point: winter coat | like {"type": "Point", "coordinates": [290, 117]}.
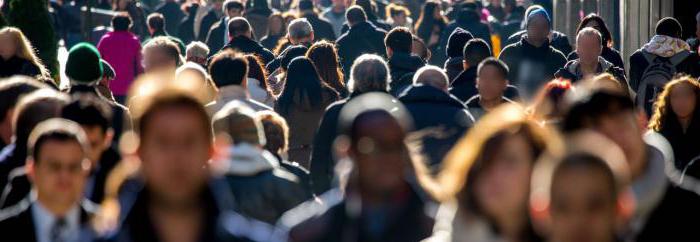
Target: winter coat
{"type": "Point", "coordinates": [474, 26]}
{"type": "Point", "coordinates": [18, 66]}
{"type": "Point", "coordinates": [335, 19]}
{"type": "Point", "coordinates": [217, 36]}
{"type": "Point", "coordinates": [249, 46]}
{"type": "Point", "coordinates": [558, 40]}
{"type": "Point", "coordinates": [610, 54]}
{"type": "Point", "coordinates": [531, 67]}
{"type": "Point", "coordinates": [172, 13]}
{"type": "Point", "coordinates": [402, 67]}
{"type": "Point", "coordinates": [258, 20]}
{"type": "Point", "coordinates": [464, 86]}
{"type": "Point", "coordinates": [572, 71]}
{"type": "Point", "coordinates": [683, 142]}
{"type": "Point", "coordinates": [440, 118]}
{"type": "Point", "coordinates": [323, 30]}
{"type": "Point", "coordinates": [362, 38]}
{"type": "Point", "coordinates": [322, 161]}
{"type": "Point", "coordinates": [235, 92]}
{"type": "Point", "coordinates": [453, 66]}
{"type": "Point", "coordinates": [270, 41]}
{"type": "Point", "coordinates": [122, 50]}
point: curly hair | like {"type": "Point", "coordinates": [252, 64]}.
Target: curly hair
{"type": "Point", "coordinates": [662, 107]}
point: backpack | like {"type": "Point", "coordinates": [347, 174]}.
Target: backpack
{"type": "Point", "coordinates": [659, 72]}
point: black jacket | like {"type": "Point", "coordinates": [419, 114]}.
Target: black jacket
{"type": "Point", "coordinates": [173, 15]}
{"type": "Point", "coordinates": [17, 66]}
{"type": "Point", "coordinates": [17, 222]}
{"type": "Point", "coordinates": [322, 160]}
{"type": "Point", "coordinates": [363, 38]}
{"type": "Point", "coordinates": [270, 41]}
{"type": "Point", "coordinates": [453, 66]}
{"type": "Point", "coordinates": [684, 143]}
{"type": "Point", "coordinates": [531, 67]}
{"type": "Point", "coordinates": [402, 67]}
{"type": "Point", "coordinates": [638, 63]}
{"type": "Point", "coordinates": [323, 30]}
{"type": "Point", "coordinates": [215, 37]}
{"type": "Point", "coordinates": [442, 117]}
{"type": "Point", "coordinates": [475, 108]}
{"type": "Point", "coordinates": [186, 32]}
{"type": "Point", "coordinates": [572, 71]}
{"type": "Point", "coordinates": [559, 41]}
{"type": "Point", "coordinates": [473, 25]}
{"type": "Point", "coordinates": [610, 54]}
{"type": "Point", "coordinates": [464, 86]}
{"type": "Point", "coordinates": [249, 46]}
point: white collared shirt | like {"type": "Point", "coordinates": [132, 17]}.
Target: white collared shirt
{"type": "Point", "coordinates": [44, 221]}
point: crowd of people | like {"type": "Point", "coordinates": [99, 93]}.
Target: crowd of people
{"type": "Point", "coordinates": [349, 121]}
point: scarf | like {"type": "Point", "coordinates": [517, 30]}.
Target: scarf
{"type": "Point", "coordinates": [665, 46]}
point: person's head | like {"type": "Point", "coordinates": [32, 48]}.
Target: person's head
{"type": "Point", "coordinates": [398, 14]}
{"type": "Point", "coordinates": [276, 132]}
{"type": "Point", "coordinates": [589, 45]}
{"type": "Point", "coordinates": [380, 156]}
{"type": "Point", "coordinates": [161, 54]}
{"type": "Point", "coordinates": [491, 79]}
{"type": "Point", "coordinates": [306, 7]}
{"type": "Point", "coordinates": [613, 115]}
{"type": "Point", "coordinates": [290, 53]}
{"type": "Point", "coordinates": [594, 21]}
{"type": "Point", "coordinates": [488, 170]}
{"type": "Point", "coordinates": [433, 76]}
{"type": "Point", "coordinates": [156, 23]}
{"type": "Point", "coordinates": [13, 43]}
{"type": "Point", "coordinates": [233, 8]}
{"type": "Point", "coordinates": [121, 22]}
{"type": "Point", "coordinates": [196, 74]}
{"type": "Point", "coordinates": [669, 26]}
{"type": "Point", "coordinates": [256, 69]}
{"type": "Point", "coordinates": [342, 3]}
{"type": "Point", "coordinates": [302, 85]}
{"type": "Point", "coordinates": [679, 100]}
{"type": "Point", "coordinates": [11, 90]}
{"type": "Point", "coordinates": [538, 26]}
{"type": "Point", "coordinates": [300, 31]}
{"type": "Point", "coordinates": [33, 108]}
{"type": "Point", "coordinates": [548, 103]}
{"type": "Point", "coordinates": [355, 15]}
{"type": "Point", "coordinates": [227, 68]}
{"type": "Point", "coordinates": [240, 123]}
{"type": "Point", "coordinates": [431, 10]}
{"type": "Point", "coordinates": [475, 51]}
{"type": "Point", "coordinates": [239, 27]}
{"type": "Point", "coordinates": [398, 40]}
{"type": "Point", "coordinates": [197, 52]}
{"type": "Point", "coordinates": [275, 24]}
{"type": "Point", "coordinates": [369, 73]}
{"type": "Point", "coordinates": [325, 57]}
{"type": "Point", "coordinates": [57, 164]}
{"type": "Point", "coordinates": [175, 142]}
{"type": "Point", "coordinates": [83, 66]}
{"type": "Point", "coordinates": [95, 117]}
{"type": "Point", "coordinates": [456, 42]}
{"type": "Point", "coordinates": [420, 49]}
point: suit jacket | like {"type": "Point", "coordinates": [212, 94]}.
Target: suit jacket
{"type": "Point", "coordinates": [17, 223]}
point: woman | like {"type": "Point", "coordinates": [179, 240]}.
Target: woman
{"type": "Point", "coordinates": [257, 86]}
{"type": "Point", "coordinates": [677, 118]}
{"type": "Point", "coordinates": [302, 103]}
{"type": "Point", "coordinates": [609, 53]}
{"type": "Point", "coordinates": [486, 179]}
{"type": "Point", "coordinates": [325, 57]}
{"type": "Point", "coordinates": [398, 16]}
{"type": "Point", "coordinates": [430, 25]}
{"type": "Point", "coordinates": [275, 31]}
{"type": "Point", "coordinates": [136, 13]}
{"type": "Point", "coordinates": [17, 55]}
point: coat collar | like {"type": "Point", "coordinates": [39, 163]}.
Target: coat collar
{"type": "Point", "coordinates": [429, 94]}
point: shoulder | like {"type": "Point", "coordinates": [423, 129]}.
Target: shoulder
{"type": "Point", "coordinates": [310, 218]}
{"type": "Point", "coordinates": [11, 216]}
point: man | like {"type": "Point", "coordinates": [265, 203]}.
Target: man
{"type": "Point", "coordinates": [370, 73]}
{"type": "Point", "coordinates": [448, 119]}
{"type": "Point", "coordinates": [300, 34]}
{"type": "Point", "coordinates": [335, 15]}
{"type": "Point", "coordinates": [172, 12]}
{"type": "Point", "coordinates": [464, 85]}
{"type": "Point", "coordinates": [156, 28]}
{"type": "Point", "coordinates": [659, 203]}
{"type": "Point", "coordinates": [58, 166]}
{"type": "Point", "coordinates": [455, 45]}
{"type": "Point", "coordinates": [218, 34]}
{"type": "Point", "coordinates": [532, 61]}
{"type": "Point", "coordinates": [362, 38]}
{"type": "Point", "coordinates": [261, 187]}
{"type": "Point", "coordinates": [557, 39]}
{"type": "Point", "coordinates": [161, 54]}
{"type": "Point", "coordinates": [589, 46]}
{"type": "Point", "coordinates": [491, 84]}
{"type": "Point", "coordinates": [95, 117]}
{"type": "Point", "coordinates": [402, 63]}
{"type": "Point", "coordinates": [241, 36]}
{"type": "Point", "coordinates": [11, 90]}
{"type": "Point", "coordinates": [467, 19]}
{"type": "Point", "coordinates": [322, 28]}
{"type": "Point", "coordinates": [379, 204]}
{"type": "Point", "coordinates": [122, 50]}
{"type": "Point", "coordinates": [229, 73]}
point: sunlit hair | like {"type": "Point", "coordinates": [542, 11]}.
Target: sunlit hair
{"type": "Point", "coordinates": [24, 48]}
{"type": "Point", "coordinates": [197, 52]}
{"type": "Point", "coordinates": [282, 30]}
{"type": "Point", "coordinates": [169, 47]}
{"type": "Point", "coordinates": [475, 150]}
{"type": "Point", "coordinates": [662, 107]}
{"type": "Point", "coordinates": [276, 132]}
{"type": "Point", "coordinates": [589, 31]}
{"type": "Point", "coordinates": [548, 101]}
{"type": "Point", "coordinates": [194, 71]}
{"type": "Point", "coordinates": [369, 72]}
{"type": "Point", "coordinates": [324, 55]}
{"type": "Point", "coordinates": [394, 9]}
{"type": "Point", "coordinates": [604, 32]}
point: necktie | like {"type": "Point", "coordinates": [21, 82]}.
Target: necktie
{"type": "Point", "coordinates": [57, 230]}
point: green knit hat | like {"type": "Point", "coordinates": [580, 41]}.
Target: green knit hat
{"type": "Point", "coordinates": [83, 65]}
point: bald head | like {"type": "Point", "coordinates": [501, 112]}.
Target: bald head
{"type": "Point", "coordinates": [431, 76]}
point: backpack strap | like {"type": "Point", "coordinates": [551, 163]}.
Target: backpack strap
{"type": "Point", "coordinates": [679, 57]}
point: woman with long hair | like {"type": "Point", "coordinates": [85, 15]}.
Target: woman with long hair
{"type": "Point", "coordinates": [302, 103]}
{"type": "Point", "coordinates": [324, 55]}
{"type": "Point", "coordinates": [17, 56]}
{"type": "Point", "coordinates": [677, 117]}
{"type": "Point", "coordinates": [485, 181]}
{"type": "Point", "coordinates": [275, 30]}
{"type": "Point", "coordinates": [430, 25]}
{"type": "Point", "coordinates": [609, 53]}
{"type": "Point", "coordinates": [257, 86]}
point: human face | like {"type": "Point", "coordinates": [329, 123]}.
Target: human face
{"type": "Point", "coordinates": [276, 26]}
{"type": "Point", "coordinates": [583, 206]}
{"type": "Point", "coordinates": [490, 83]}
{"type": "Point", "coordinates": [538, 30]}
{"type": "Point", "coordinates": [379, 154]}
{"type": "Point", "coordinates": [59, 174]}
{"type": "Point", "coordinates": [624, 130]}
{"type": "Point", "coordinates": [234, 12]}
{"type": "Point", "coordinates": [502, 188]}
{"type": "Point", "coordinates": [155, 59]}
{"type": "Point", "coordinates": [588, 48]}
{"type": "Point", "coordinates": [99, 141]}
{"type": "Point", "coordinates": [683, 100]}
{"type": "Point", "coordinates": [174, 151]}
{"type": "Point", "coordinates": [8, 46]}
{"type": "Point", "coordinates": [437, 13]}
{"type": "Point", "coordinates": [399, 19]}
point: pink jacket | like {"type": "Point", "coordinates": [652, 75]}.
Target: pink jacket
{"type": "Point", "coordinates": [122, 50]}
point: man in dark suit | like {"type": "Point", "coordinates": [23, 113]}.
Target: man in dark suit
{"type": "Point", "coordinates": [57, 165]}
{"type": "Point", "coordinates": [362, 38]}
{"type": "Point", "coordinates": [218, 33]}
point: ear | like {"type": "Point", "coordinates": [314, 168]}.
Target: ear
{"type": "Point", "coordinates": [341, 146]}
{"type": "Point", "coordinates": [109, 137]}
{"type": "Point", "coordinates": [312, 36]}
{"type": "Point", "coordinates": [29, 166]}
{"type": "Point", "coordinates": [465, 64]}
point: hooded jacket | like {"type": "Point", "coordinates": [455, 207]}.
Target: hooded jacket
{"type": "Point", "coordinates": [530, 67]}
{"type": "Point", "coordinates": [362, 38]}
{"type": "Point", "coordinates": [402, 67]}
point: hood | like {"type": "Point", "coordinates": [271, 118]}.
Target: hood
{"type": "Point", "coordinates": [454, 63]}
{"type": "Point", "coordinates": [665, 46]}
{"type": "Point", "coordinates": [248, 160]}
{"type": "Point", "coordinates": [405, 61]}
{"type": "Point", "coordinates": [430, 95]}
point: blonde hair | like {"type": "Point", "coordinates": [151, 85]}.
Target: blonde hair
{"type": "Point", "coordinates": [25, 49]}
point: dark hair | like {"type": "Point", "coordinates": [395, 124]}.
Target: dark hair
{"type": "Point", "coordinates": [585, 160]}
{"type": "Point", "coordinates": [355, 14]}
{"type": "Point", "coordinates": [424, 24]}
{"type": "Point", "coordinates": [12, 89]}
{"type": "Point", "coordinates": [238, 26]}
{"type": "Point", "coordinates": [156, 21]}
{"type": "Point", "coordinates": [231, 4]}
{"type": "Point", "coordinates": [399, 39]}
{"type": "Point", "coordinates": [324, 55]}
{"type": "Point", "coordinates": [475, 51]}
{"type": "Point", "coordinates": [281, 19]}
{"type": "Point", "coordinates": [588, 108]}
{"type": "Point", "coordinates": [226, 68]}
{"type": "Point", "coordinates": [257, 71]}
{"type": "Point", "coordinates": [302, 84]}
{"type": "Point", "coordinates": [499, 64]}
{"type": "Point", "coordinates": [172, 99]}
{"type": "Point", "coordinates": [89, 110]}
{"type": "Point", "coordinates": [602, 28]}
{"type": "Point", "coordinates": [32, 110]}
{"type": "Point", "coordinates": [290, 53]}
{"type": "Point", "coordinates": [55, 134]}
{"type": "Point", "coordinates": [670, 27]}
{"type": "Point", "coordinates": [121, 22]}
